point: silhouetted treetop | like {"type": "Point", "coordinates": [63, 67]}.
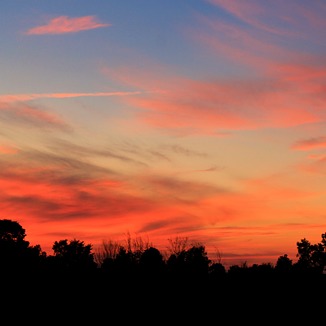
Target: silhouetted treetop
{"type": "Point", "coordinates": [15, 253]}
{"type": "Point", "coordinates": [11, 231]}
{"type": "Point", "coordinates": [73, 255]}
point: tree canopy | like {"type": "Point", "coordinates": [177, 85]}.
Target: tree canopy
{"type": "Point", "coordinates": [138, 257]}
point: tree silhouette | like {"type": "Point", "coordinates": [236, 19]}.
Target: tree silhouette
{"type": "Point", "coordinates": [217, 270]}
{"type": "Point", "coordinates": [12, 231]}
{"type": "Point", "coordinates": [16, 254]}
{"type": "Point", "coordinates": [72, 256]}
{"type": "Point", "coordinates": [151, 262]}
{"type": "Point", "coordinates": [191, 263]}
{"type": "Point", "coordinates": [178, 245]}
{"type": "Point", "coordinates": [283, 264]}
{"type": "Point", "coordinates": [312, 257]}
{"type": "Point", "coordinates": [197, 261]}
{"type": "Point", "coordinates": [139, 264]}
{"type": "Point", "coordinates": [123, 264]}
{"type": "Point", "coordinates": [107, 252]}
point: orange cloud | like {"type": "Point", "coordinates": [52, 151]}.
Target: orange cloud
{"type": "Point", "coordinates": [62, 184]}
{"type": "Point", "coordinates": [62, 187]}
{"type": "Point", "coordinates": [317, 156]}
{"type": "Point", "coordinates": [267, 213]}
{"type": "Point", "coordinates": [308, 144]}
{"type": "Point", "coordinates": [64, 193]}
{"type": "Point", "coordinates": [65, 24]}
{"type": "Point", "coordinates": [7, 149]}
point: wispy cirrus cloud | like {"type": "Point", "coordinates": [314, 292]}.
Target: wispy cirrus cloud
{"type": "Point", "coordinates": [63, 186]}
{"type": "Point", "coordinates": [53, 186]}
{"type": "Point", "coordinates": [9, 98]}
{"type": "Point", "coordinates": [27, 115]}
{"type": "Point", "coordinates": [248, 12]}
{"type": "Point", "coordinates": [238, 45]}
{"type": "Point", "coordinates": [266, 16]}
{"type": "Point", "coordinates": [308, 144]}
{"type": "Point", "coordinates": [283, 97]}
{"type": "Point", "coordinates": [184, 151]}
{"type": "Point", "coordinates": [261, 35]}
{"type": "Point", "coordinates": [65, 24]}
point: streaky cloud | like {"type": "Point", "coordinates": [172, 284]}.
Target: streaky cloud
{"type": "Point", "coordinates": [65, 24]}
{"type": "Point", "coordinates": [12, 98]}
{"type": "Point", "coordinates": [184, 151]}
{"type": "Point", "coordinates": [308, 144]}
{"type": "Point", "coordinates": [281, 97]}
{"type": "Point", "coordinates": [211, 169]}
{"type": "Point", "coordinates": [256, 14]}
{"type": "Point", "coordinates": [28, 115]}
{"type": "Point", "coordinates": [61, 146]}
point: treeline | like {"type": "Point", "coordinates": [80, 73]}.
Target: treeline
{"type": "Point", "coordinates": [138, 258]}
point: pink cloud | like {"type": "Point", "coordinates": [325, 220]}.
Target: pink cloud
{"type": "Point", "coordinates": [308, 76]}
{"type": "Point", "coordinates": [268, 17]}
{"type": "Point", "coordinates": [308, 144]}
{"type": "Point", "coordinates": [277, 100]}
{"type": "Point", "coordinates": [247, 12]}
{"type": "Point", "coordinates": [29, 115]}
{"type": "Point", "coordinates": [241, 46]}
{"type": "Point", "coordinates": [65, 24]}
{"type": "Point", "coordinates": [254, 43]}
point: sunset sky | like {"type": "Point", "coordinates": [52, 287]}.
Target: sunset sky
{"type": "Point", "coordinates": [163, 119]}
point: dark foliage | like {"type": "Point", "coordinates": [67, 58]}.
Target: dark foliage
{"type": "Point", "coordinates": [140, 266]}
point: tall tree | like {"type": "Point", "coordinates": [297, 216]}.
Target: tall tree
{"type": "Point", "coordinates": [16, 254]}
{"type": "Point", "coordinates": [312, 257]}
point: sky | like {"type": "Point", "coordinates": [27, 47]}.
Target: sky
{"type": "Point", "coordinates": [165, 119]}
